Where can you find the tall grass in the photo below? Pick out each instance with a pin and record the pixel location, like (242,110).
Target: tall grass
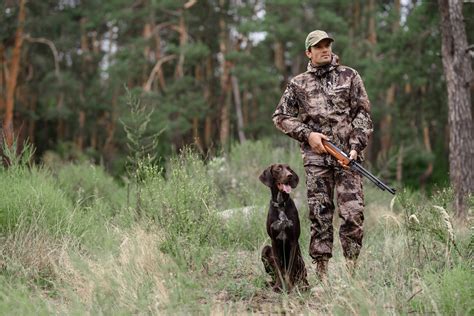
(71,243)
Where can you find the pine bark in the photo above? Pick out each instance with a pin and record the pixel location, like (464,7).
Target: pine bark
(224,80)
(386,122)
(372,34)
(11,81)
(458,73)
(3,70)
(238,108)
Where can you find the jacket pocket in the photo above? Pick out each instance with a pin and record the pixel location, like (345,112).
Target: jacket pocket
(340,97)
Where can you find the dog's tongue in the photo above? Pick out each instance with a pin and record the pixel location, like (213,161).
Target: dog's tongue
(285,187)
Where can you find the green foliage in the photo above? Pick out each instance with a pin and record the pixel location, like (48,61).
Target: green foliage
(250,159)
(32,197)
(15,159)
(141,142)
(183,205)
(17,298)
(429,228)
(195,249)
(92,187)
(450,292)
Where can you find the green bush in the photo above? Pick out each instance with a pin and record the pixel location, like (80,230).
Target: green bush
(429,228)
(89,185)
(32,196)
(183,204)
(450,292)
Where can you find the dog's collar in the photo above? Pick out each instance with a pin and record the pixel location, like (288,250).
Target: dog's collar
(278,204)
(280,200)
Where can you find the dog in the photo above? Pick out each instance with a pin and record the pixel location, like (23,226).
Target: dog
(283,259)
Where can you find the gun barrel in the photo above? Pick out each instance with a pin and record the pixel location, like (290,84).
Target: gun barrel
(371,177)
(344,158)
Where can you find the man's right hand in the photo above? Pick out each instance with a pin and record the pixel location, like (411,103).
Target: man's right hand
(315,142)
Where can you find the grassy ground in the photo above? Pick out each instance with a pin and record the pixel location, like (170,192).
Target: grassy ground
(74,241)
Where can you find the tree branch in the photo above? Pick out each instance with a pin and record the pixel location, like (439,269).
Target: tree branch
(51,46)
(156,69)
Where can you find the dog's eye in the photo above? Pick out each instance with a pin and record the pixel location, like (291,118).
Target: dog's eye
(278,168)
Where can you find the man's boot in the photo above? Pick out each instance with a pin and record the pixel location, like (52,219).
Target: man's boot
(322,270)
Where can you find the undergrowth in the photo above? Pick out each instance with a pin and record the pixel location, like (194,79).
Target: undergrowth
(187,238)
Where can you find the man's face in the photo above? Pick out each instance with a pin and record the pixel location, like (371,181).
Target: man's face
(320,54)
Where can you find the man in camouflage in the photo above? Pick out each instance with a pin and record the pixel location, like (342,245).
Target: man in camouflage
(328,101)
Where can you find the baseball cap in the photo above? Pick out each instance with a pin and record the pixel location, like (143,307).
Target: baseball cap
(315,37)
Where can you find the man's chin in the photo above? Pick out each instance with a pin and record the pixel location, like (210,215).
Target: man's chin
(324,62)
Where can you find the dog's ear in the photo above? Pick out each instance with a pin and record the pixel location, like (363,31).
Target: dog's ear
(266,177)
(294,179)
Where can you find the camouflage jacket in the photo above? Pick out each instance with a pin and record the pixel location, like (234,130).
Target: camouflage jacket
(331,100)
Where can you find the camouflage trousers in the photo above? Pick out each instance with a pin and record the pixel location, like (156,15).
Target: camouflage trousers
(321,183)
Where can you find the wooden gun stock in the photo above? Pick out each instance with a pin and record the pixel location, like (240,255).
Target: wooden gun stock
(344,158)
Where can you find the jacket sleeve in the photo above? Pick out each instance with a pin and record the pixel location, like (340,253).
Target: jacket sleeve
(362,126)
(286,116)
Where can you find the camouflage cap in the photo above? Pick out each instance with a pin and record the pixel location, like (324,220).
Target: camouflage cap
(315,37)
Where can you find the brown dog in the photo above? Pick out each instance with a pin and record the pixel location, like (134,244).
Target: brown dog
(283,259)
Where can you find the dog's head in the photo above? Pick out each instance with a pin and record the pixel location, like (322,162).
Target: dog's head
(280,176)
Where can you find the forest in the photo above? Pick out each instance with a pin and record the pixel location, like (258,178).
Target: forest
(129,127)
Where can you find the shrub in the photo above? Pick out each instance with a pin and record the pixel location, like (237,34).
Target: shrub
(183,204)
(31,195)
(89,185)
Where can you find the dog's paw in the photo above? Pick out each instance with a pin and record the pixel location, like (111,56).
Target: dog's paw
(277,225)
(286,223)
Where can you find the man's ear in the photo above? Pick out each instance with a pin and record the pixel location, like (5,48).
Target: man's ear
(294,179)
(266,177)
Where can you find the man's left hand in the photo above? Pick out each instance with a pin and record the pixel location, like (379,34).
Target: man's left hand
(353,154)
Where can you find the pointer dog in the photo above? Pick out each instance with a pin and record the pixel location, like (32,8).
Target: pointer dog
(283,259)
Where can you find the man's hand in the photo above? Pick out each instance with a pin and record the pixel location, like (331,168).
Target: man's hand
(352,156)
(315,142)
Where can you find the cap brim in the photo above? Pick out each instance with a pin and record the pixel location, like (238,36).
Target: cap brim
(328,37)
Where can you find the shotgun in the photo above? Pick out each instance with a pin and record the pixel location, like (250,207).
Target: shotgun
(353,165)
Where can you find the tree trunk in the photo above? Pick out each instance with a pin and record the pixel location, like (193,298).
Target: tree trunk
(12,77)
(224,79)
(32,121)
(82,123)
(207,96)
(183,40)
(429,170)
(400,164)
(386,124)
(386,121)
(111,125)
(355,22)
(3,70)
(245,107)
(458,72)
(198,75)
(279,57)
(84,69)
(238,108)
(372,36)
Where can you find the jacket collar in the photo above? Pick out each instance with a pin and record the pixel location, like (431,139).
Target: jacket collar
(322,70)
